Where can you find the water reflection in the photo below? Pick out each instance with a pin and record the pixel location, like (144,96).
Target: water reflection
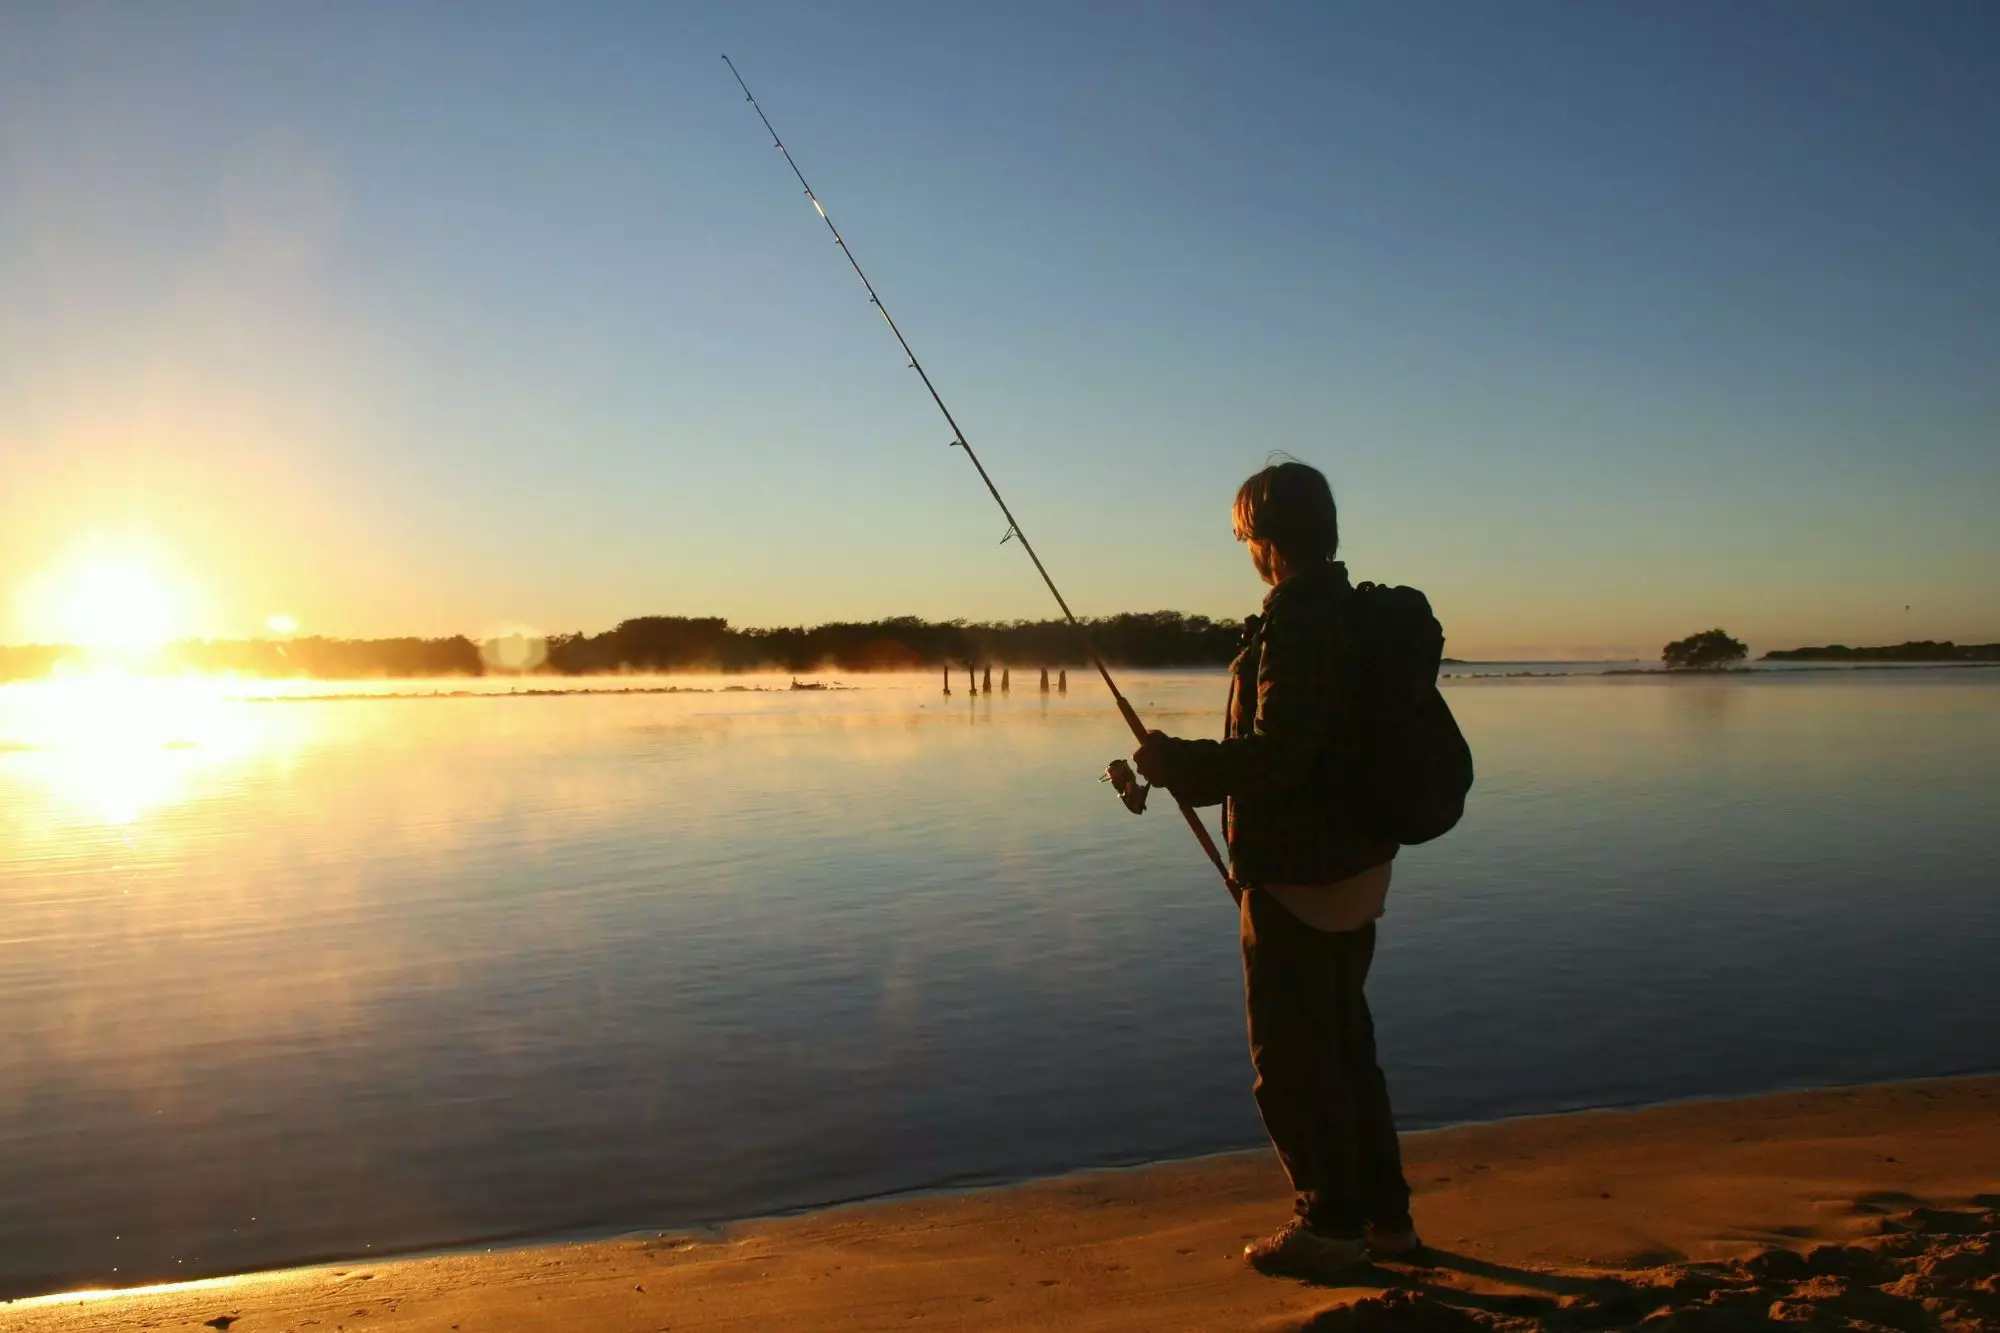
(109,748)
(1703,706)
(399,971)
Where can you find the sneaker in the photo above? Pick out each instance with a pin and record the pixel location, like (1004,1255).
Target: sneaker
(1396,1241)
(1296,1250)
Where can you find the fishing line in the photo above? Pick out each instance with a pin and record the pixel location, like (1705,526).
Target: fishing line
(1125,783)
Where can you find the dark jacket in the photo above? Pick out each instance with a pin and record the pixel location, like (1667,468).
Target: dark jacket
(1284,766)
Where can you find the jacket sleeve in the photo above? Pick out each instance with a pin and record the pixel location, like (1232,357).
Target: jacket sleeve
(1295,703)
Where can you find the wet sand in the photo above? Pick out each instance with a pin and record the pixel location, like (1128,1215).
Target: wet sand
(1866,1207)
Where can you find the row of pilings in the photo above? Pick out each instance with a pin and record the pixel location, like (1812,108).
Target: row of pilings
(979,680)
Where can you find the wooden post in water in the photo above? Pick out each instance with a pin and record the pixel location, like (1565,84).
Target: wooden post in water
(947,679)
(1045,680)
(1005,684)
(986,681)
(1062,682)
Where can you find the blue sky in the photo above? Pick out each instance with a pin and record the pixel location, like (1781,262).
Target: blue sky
(1609,322)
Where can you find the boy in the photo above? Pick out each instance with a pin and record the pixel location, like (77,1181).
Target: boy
(1314,882)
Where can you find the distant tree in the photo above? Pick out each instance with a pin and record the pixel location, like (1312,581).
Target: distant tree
(1704,651)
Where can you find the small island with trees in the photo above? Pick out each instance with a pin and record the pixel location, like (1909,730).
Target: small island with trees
(1710,650)
(1715,650)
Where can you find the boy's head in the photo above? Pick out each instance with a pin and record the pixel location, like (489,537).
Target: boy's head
(1287,509)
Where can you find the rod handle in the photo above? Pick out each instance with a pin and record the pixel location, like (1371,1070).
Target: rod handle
(1194,823)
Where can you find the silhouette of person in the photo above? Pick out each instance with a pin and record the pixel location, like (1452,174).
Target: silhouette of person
(1314,880)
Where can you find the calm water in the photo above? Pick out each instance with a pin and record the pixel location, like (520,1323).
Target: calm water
(296,979)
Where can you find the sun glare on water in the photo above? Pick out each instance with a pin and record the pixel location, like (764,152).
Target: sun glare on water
(105,739)
(110,747)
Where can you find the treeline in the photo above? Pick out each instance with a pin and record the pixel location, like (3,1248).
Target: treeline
(321,658)
(703,643)
(1924,650)
(903,643)
(330,659)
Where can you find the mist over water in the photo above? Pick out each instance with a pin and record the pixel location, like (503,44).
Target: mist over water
(329,977)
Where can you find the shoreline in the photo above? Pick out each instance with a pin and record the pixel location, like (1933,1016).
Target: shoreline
(1605,1204)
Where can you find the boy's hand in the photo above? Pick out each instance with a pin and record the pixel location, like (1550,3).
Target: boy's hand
(1151,758)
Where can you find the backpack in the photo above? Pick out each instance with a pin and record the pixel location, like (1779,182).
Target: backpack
(1415,767)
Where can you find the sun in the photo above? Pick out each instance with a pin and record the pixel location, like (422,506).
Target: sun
(113,601)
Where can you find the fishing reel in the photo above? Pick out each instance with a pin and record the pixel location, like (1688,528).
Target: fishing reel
(1126,783)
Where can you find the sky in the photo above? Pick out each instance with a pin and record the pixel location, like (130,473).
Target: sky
(1609,323)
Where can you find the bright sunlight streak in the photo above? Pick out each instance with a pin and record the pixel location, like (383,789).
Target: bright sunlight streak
(109,739)
(111,747)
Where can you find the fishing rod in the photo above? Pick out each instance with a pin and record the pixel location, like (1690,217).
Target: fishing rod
(1120,773)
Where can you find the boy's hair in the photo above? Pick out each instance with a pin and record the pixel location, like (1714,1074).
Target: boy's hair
(1290,506)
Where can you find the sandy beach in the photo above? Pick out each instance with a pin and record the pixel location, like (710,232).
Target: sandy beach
(1863,1207)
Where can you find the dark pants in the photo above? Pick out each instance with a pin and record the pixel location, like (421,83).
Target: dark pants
(1323,1098)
